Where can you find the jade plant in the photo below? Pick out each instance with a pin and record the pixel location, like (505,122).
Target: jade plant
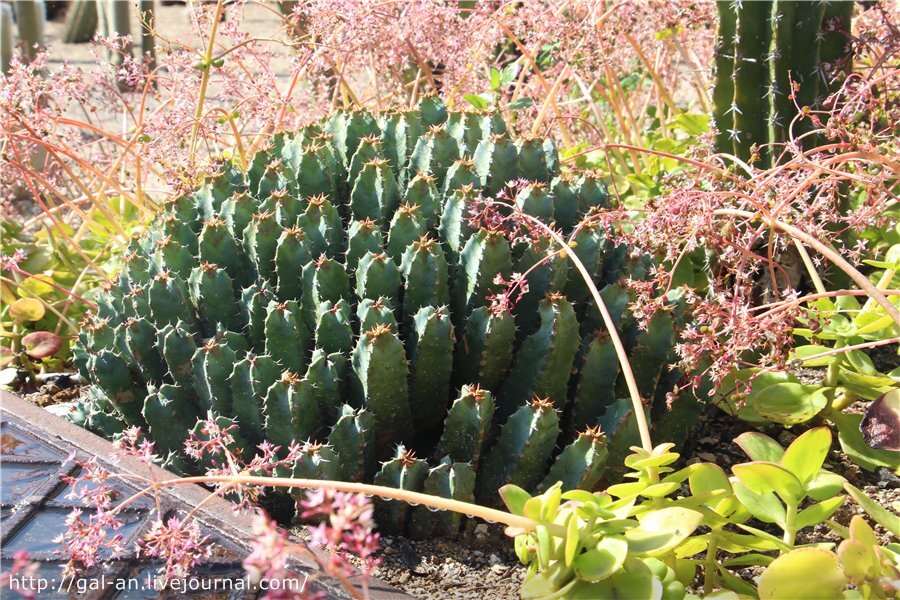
(670,530)
(336,291)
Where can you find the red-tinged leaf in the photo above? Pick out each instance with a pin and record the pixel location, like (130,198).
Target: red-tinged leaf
(41,344)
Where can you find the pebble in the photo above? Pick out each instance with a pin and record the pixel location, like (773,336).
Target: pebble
(707,457)
(493,559)
(498,569)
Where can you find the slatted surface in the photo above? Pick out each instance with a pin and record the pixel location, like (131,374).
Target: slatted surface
(34,504)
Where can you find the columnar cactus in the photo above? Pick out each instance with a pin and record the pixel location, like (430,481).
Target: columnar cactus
(337,293)
(763,50)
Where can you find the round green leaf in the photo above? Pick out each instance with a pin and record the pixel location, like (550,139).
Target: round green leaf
(803,574)
(26,309)
(762,477)
(789,403)
(603,561)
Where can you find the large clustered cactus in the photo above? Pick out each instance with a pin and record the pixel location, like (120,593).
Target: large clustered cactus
(337,293)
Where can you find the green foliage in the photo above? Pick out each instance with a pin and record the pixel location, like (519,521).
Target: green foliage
(338,290)
(833,330)
(653,537)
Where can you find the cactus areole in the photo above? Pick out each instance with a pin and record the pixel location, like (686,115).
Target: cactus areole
(337,293)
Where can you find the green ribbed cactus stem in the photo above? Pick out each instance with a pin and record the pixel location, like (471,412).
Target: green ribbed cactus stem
(362,237)
(447,480)
(7,37)
(486,351)
(292,250)
(520,457)
(422,192)
(317,461)
(81,22)
(113,375)
(407,226)
(31,20)
(277,410)
(563,188)
(751,81)
(621,428)
(322,226)
(376,312)
(393,142)
(254,304)
(260,241)
(370,148)
(169,300)
(783,20)
(547,270)
(404,472)
(379,383)
(544,362)
(836,47)
(425,279)
(352,438)
(723,86)
(307,418)
(378,277)
(592,192)
(496,161)
(286,336)
(213,364)
(334,332)
(595,390)
(430,354)
(485,258)
(589,245)
(538,161)
(324,280)
(212,292)
(170,416)
(467,426)
(535,200)
(461,173)
(178,349)
(649,354)
(250,380)
(141,342)
(434,153)
(581,464)
(805,65)
(432,110)
(326,377)
(455,228)
(375,194)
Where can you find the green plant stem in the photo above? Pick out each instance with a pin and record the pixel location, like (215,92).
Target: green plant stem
(790,516)
(709,569)
(204,79)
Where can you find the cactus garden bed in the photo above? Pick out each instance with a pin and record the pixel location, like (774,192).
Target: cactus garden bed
(545,299)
